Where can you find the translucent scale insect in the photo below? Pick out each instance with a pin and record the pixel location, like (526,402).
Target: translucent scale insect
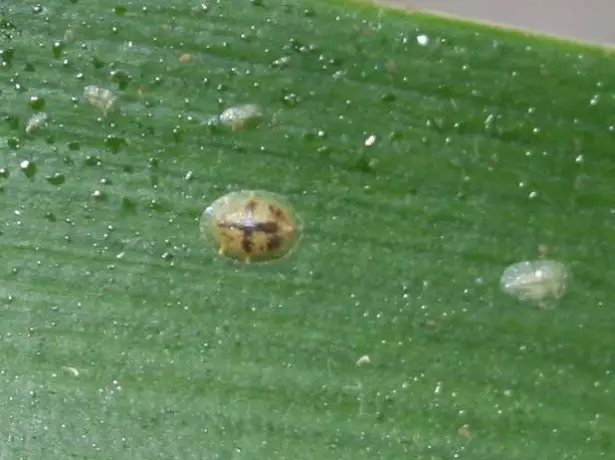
(537,281)
(242,116)
(102,98)
(36,122)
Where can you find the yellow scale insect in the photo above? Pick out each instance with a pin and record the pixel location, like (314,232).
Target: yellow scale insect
(252,226)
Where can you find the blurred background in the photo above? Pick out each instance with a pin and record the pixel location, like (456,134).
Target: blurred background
(588,20)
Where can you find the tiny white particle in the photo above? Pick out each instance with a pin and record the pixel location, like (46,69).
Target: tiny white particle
(371,140)
(422,40)
(365,359)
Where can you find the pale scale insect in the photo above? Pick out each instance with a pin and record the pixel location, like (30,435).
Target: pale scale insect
(102,98)
(242,116)
(36,121)
(537,281)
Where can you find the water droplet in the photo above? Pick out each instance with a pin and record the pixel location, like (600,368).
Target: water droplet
(114,143)
(594,100)
(56,179)
(28,168)
(36,103)
(97,63)
(74,145)
(57,48)
(120,77)
(156,205)
(6,57)
(99,195)
(12,121)
(388,97)
(128,205)
(291,99)
(92,160)
(13,143)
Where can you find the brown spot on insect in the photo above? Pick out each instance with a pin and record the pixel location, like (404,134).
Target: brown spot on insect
(252,226)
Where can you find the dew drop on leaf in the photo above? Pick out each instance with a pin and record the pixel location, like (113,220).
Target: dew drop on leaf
(36,103)
(121,78)
(6,57)
(56,179)
(57,48)
(114,143)
(92,160)
(128,205)
(28,168)
(74,146)
(12,121)
(13,143)
(99,195)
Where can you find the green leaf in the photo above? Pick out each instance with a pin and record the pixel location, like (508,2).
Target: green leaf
(423,154)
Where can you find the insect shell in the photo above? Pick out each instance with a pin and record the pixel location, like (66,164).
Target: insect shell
(102,98)
(537,281)
(252,226)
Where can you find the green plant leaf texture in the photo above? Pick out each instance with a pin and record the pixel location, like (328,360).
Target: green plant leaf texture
(423,154)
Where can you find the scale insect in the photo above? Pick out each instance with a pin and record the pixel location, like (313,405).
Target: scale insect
(537,281)
(252,226)
(36,122)
(242,116)
(102,98)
